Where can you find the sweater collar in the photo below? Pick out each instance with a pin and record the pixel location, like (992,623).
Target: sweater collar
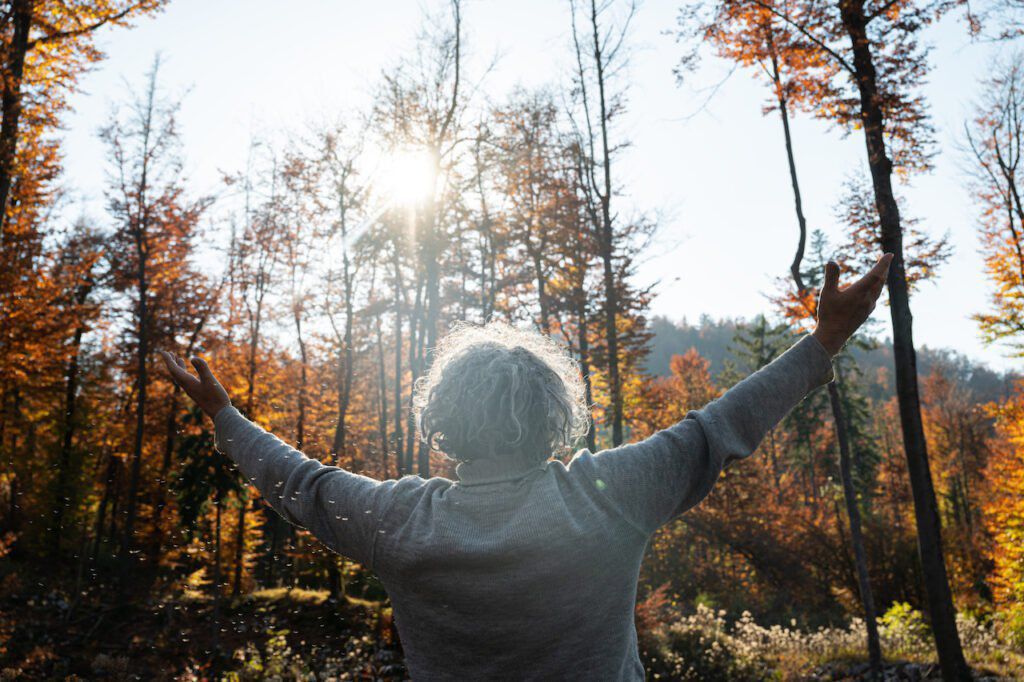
(492,470)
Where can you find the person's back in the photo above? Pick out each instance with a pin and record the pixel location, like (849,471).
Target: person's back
(524,568)
(528,573)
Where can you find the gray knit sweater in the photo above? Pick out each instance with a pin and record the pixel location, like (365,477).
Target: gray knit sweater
(523,572)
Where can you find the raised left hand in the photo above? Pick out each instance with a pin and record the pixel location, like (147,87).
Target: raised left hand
(842,311)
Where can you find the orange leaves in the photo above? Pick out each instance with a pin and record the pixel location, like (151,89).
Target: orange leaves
(691,380)
(658,402)
(800,309)
(1003,503)
(994,140)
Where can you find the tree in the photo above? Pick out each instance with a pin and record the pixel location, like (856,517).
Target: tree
(600,54)
(994,142)
(154,224)
(527,155)
(346,196)
(255,263)
(205,474)
(36,35)
(923,255)
(870,65)
(81,256)
(752,35)
(1004,513)
(45,46)
(420,108)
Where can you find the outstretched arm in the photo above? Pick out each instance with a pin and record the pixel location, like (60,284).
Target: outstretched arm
(655,480)
(341,509)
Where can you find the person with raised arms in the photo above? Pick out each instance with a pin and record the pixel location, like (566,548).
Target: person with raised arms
(525,567)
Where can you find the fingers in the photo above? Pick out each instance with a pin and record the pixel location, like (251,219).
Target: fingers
(885,262)
(831,276)
(166,357)
(176,368)
(204,371)
(881,269)
(873,281)
(179,371)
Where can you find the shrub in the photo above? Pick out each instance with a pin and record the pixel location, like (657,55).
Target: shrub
(1010,624)
(904,632)
(699,647)
(705,646)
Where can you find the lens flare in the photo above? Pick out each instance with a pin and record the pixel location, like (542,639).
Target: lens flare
(408,176)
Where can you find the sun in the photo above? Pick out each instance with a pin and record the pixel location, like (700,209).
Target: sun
(408,176)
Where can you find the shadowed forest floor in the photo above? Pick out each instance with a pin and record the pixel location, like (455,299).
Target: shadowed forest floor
(173,636)
(154,632)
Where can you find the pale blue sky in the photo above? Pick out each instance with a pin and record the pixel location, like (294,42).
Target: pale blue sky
(716,173)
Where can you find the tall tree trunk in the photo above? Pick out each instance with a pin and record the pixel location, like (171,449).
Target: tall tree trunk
(929,531)
(243,494)
(773,453)
(542,294)
(10,102)
(217,579)
(433,295)
(607,243)
(170,440)
(798,205)
(115,503)
(140,232)
(583,342)
(842,434)
(142,386)
(414,366)
(382,397)
(432,247)
(346,372)
(867,597)
(488,288)
(62,488)
(283,532)
(243,503)
(400,460)
(300,421)
(101,511)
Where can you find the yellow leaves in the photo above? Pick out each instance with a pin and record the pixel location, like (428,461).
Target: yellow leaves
(1003,506)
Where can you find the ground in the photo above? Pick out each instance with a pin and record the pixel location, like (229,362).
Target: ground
(148,631)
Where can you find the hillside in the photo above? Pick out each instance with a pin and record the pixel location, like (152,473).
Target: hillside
(714,340)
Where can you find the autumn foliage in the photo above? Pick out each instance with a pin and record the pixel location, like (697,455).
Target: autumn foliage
(318,289)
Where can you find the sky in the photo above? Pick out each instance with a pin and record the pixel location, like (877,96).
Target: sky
(702,156)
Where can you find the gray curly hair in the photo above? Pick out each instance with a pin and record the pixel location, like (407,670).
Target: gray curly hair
(497,391)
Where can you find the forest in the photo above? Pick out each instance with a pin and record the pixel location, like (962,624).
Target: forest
(878,533)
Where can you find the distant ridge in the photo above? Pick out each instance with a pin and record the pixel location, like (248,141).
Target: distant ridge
(713,337)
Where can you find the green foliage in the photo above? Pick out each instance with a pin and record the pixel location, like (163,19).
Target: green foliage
(754,345)
(864,450)
(274,662)
(903,629)
(204,474)
(707,646)
(1011,626)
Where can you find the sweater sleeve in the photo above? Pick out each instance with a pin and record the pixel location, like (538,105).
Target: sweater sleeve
(659,478)
(343,510)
